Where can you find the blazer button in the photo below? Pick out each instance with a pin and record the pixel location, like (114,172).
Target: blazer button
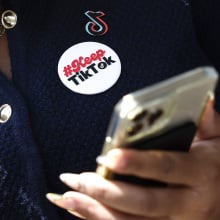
(5,113)
(9,19)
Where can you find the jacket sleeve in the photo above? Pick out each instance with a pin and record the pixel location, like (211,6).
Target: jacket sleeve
(22,182)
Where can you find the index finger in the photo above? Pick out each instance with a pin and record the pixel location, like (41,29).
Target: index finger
(171,167)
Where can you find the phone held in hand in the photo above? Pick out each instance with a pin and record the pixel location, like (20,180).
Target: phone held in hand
(164,116)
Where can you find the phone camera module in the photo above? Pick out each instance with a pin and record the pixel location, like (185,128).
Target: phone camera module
(139,116)
(154,116)
(134,129)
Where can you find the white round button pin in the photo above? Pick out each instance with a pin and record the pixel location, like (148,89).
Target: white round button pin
(89,68)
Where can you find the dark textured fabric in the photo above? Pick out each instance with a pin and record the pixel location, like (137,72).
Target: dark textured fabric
(55,130)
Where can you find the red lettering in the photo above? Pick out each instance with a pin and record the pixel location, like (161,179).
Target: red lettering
(100,54)
(88,60)
(93,56)
(77,64)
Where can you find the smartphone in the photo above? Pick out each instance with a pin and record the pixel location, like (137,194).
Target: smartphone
(164,116)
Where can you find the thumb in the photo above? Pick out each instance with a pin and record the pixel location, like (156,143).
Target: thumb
(209,126)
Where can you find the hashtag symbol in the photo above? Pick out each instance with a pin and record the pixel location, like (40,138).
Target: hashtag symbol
(68,71)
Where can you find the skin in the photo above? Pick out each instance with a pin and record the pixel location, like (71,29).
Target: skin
(192,193)
(5,64)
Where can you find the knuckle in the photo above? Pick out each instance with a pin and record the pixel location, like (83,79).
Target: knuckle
(167,165)
(148,204)
(81,187)
(100,192)
(130,162)
(94,187)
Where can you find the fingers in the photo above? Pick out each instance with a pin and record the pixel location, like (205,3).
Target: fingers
(65,202)
(127,198)
(209,126)
(88,208)
(170,167)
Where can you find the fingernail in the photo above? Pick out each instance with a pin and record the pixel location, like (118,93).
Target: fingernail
(102,160)
(59,200)
(114,153)
(53,197)
(71,180)
(109,159)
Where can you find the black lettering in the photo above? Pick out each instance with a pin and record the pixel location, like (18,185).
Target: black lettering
(85,74)
(102,65)
(108,60)
(73,78)
(92,67)
(81,77)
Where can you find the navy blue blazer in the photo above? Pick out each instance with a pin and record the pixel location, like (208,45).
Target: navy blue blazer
(53,129)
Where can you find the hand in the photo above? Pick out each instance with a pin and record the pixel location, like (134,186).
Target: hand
(192,194)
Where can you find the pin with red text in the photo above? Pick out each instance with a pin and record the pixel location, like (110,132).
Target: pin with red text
(89,68)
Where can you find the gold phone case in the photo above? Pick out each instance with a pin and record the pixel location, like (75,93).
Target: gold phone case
(144,116)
